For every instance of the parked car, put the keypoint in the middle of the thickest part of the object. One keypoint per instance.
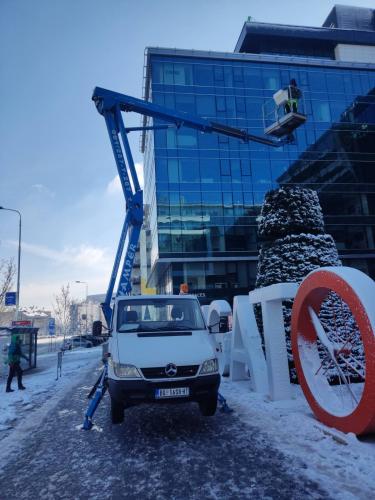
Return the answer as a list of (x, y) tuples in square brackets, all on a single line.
[(81, 341), (66, 345), (95, 340)]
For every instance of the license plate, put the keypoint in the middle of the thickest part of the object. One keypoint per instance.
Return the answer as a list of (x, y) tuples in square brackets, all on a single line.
[(172, 392)]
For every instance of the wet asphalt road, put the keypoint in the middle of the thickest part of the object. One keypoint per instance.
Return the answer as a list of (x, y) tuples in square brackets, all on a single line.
[(159, 452)]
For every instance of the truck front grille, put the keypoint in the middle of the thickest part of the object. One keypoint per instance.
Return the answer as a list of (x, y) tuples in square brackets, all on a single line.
[(159, 372)]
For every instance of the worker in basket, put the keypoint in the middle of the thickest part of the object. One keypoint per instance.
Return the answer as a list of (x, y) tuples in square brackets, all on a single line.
[(294, 94)]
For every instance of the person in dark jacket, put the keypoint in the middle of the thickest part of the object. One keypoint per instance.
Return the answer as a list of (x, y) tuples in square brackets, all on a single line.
[(294, 94), (14, 357)]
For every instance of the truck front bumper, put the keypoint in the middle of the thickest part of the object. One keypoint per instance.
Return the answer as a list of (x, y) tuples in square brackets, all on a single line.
[(133, 392)]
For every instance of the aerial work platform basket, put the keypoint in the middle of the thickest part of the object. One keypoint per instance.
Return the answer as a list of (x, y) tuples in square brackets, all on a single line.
[(280, 116), (285, 125)]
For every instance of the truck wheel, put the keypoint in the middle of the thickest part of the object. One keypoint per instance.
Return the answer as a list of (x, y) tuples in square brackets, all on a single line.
[(117, 412), (209, 405)]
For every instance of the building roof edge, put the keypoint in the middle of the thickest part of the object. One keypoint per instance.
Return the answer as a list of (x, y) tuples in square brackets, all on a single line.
[(242, 56)]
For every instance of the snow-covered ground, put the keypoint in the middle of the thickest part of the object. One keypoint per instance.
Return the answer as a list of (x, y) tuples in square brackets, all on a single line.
[(340, 463), (42, 388)]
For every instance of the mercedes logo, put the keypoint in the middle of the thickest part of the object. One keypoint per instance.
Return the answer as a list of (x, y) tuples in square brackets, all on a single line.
[(171, 370)]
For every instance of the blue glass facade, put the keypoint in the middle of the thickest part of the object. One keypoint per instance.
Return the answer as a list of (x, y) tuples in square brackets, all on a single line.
[(205, 190)]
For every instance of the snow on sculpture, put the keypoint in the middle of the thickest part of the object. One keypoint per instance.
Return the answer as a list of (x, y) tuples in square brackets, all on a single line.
[(247, 357), (347, 407), (205, 309), (217, 310)]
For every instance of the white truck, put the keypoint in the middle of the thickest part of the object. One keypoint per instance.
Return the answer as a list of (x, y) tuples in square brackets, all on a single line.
[(160, 350)]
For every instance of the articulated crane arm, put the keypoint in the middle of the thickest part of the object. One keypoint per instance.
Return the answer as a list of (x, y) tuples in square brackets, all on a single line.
[(110, 105)]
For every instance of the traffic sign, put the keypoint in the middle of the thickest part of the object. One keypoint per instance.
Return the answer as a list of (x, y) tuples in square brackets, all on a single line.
[(10, 298), (51, 326)]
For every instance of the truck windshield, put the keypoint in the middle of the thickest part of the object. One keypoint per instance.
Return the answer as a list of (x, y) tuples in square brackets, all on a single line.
[(153, 314)]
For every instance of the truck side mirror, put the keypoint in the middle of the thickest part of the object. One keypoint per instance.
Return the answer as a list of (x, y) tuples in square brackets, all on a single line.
[(97, 328)]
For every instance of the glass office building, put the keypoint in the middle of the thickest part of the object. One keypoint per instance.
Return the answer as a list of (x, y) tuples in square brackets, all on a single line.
[(206, 190)]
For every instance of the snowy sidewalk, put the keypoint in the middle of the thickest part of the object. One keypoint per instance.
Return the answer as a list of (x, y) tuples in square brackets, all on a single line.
[(340, 463), (42, 386), (259, 430)]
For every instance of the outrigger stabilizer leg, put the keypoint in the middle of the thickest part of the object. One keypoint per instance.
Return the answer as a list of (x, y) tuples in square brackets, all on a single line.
[(96, 395), (223, 402)]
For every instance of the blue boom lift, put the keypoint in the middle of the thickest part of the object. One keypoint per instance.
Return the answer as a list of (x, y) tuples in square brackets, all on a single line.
[(111, 105)]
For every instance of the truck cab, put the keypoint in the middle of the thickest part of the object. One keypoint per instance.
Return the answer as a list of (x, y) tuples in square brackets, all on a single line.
[(161, 351)]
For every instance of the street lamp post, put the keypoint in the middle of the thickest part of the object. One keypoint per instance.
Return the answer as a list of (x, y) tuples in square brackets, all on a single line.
[(19, 257), (87, 292)]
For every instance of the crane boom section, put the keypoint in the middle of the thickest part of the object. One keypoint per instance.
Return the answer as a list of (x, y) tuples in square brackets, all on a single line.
[(111, 105), (106, 100)]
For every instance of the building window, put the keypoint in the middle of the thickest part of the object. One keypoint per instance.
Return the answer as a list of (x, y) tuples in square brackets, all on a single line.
[(237, 74), (253, 77), (173, 171), (245, 167), (172, 74), (168, 74), (161, 171), (321, 112), (224, 167), (189, 170), (240, 105), (271, 79), (210, 171), (248, 199), (186, 138), (203, 75), (206, 105), (157, 72), (227, 199), (220, 103), (235, 171), (185, 102), (219, 73), (171, 138), (183, 74)]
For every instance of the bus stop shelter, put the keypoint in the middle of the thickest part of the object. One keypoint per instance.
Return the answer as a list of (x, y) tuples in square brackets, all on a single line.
[(28, 336)]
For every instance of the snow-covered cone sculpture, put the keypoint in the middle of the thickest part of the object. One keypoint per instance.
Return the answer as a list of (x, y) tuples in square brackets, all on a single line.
[(294, 243)]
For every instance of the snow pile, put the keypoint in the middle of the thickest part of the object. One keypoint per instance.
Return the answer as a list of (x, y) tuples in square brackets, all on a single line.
[(42, 386), (35, 312), (338, 462)]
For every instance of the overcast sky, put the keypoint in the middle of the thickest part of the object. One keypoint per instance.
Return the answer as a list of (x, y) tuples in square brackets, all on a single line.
[(56, 164)]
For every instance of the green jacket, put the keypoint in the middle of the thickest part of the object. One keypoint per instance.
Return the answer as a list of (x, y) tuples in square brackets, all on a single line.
[(15, 351)]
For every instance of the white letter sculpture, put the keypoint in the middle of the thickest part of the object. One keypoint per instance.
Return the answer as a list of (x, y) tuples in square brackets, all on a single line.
[(268, 374), (247, 356)]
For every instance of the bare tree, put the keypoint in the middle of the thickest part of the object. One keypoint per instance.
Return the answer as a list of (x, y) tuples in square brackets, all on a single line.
[(7, 273), (62, 309)]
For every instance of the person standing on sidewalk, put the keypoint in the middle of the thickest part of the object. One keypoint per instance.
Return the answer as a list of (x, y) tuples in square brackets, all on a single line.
[(14, 357)]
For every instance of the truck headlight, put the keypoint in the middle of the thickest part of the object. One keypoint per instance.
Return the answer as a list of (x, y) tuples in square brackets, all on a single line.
[(209, 366), (125, 371)]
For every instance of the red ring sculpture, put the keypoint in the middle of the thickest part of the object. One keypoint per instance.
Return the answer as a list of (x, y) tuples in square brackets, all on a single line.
[(357, 290)]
